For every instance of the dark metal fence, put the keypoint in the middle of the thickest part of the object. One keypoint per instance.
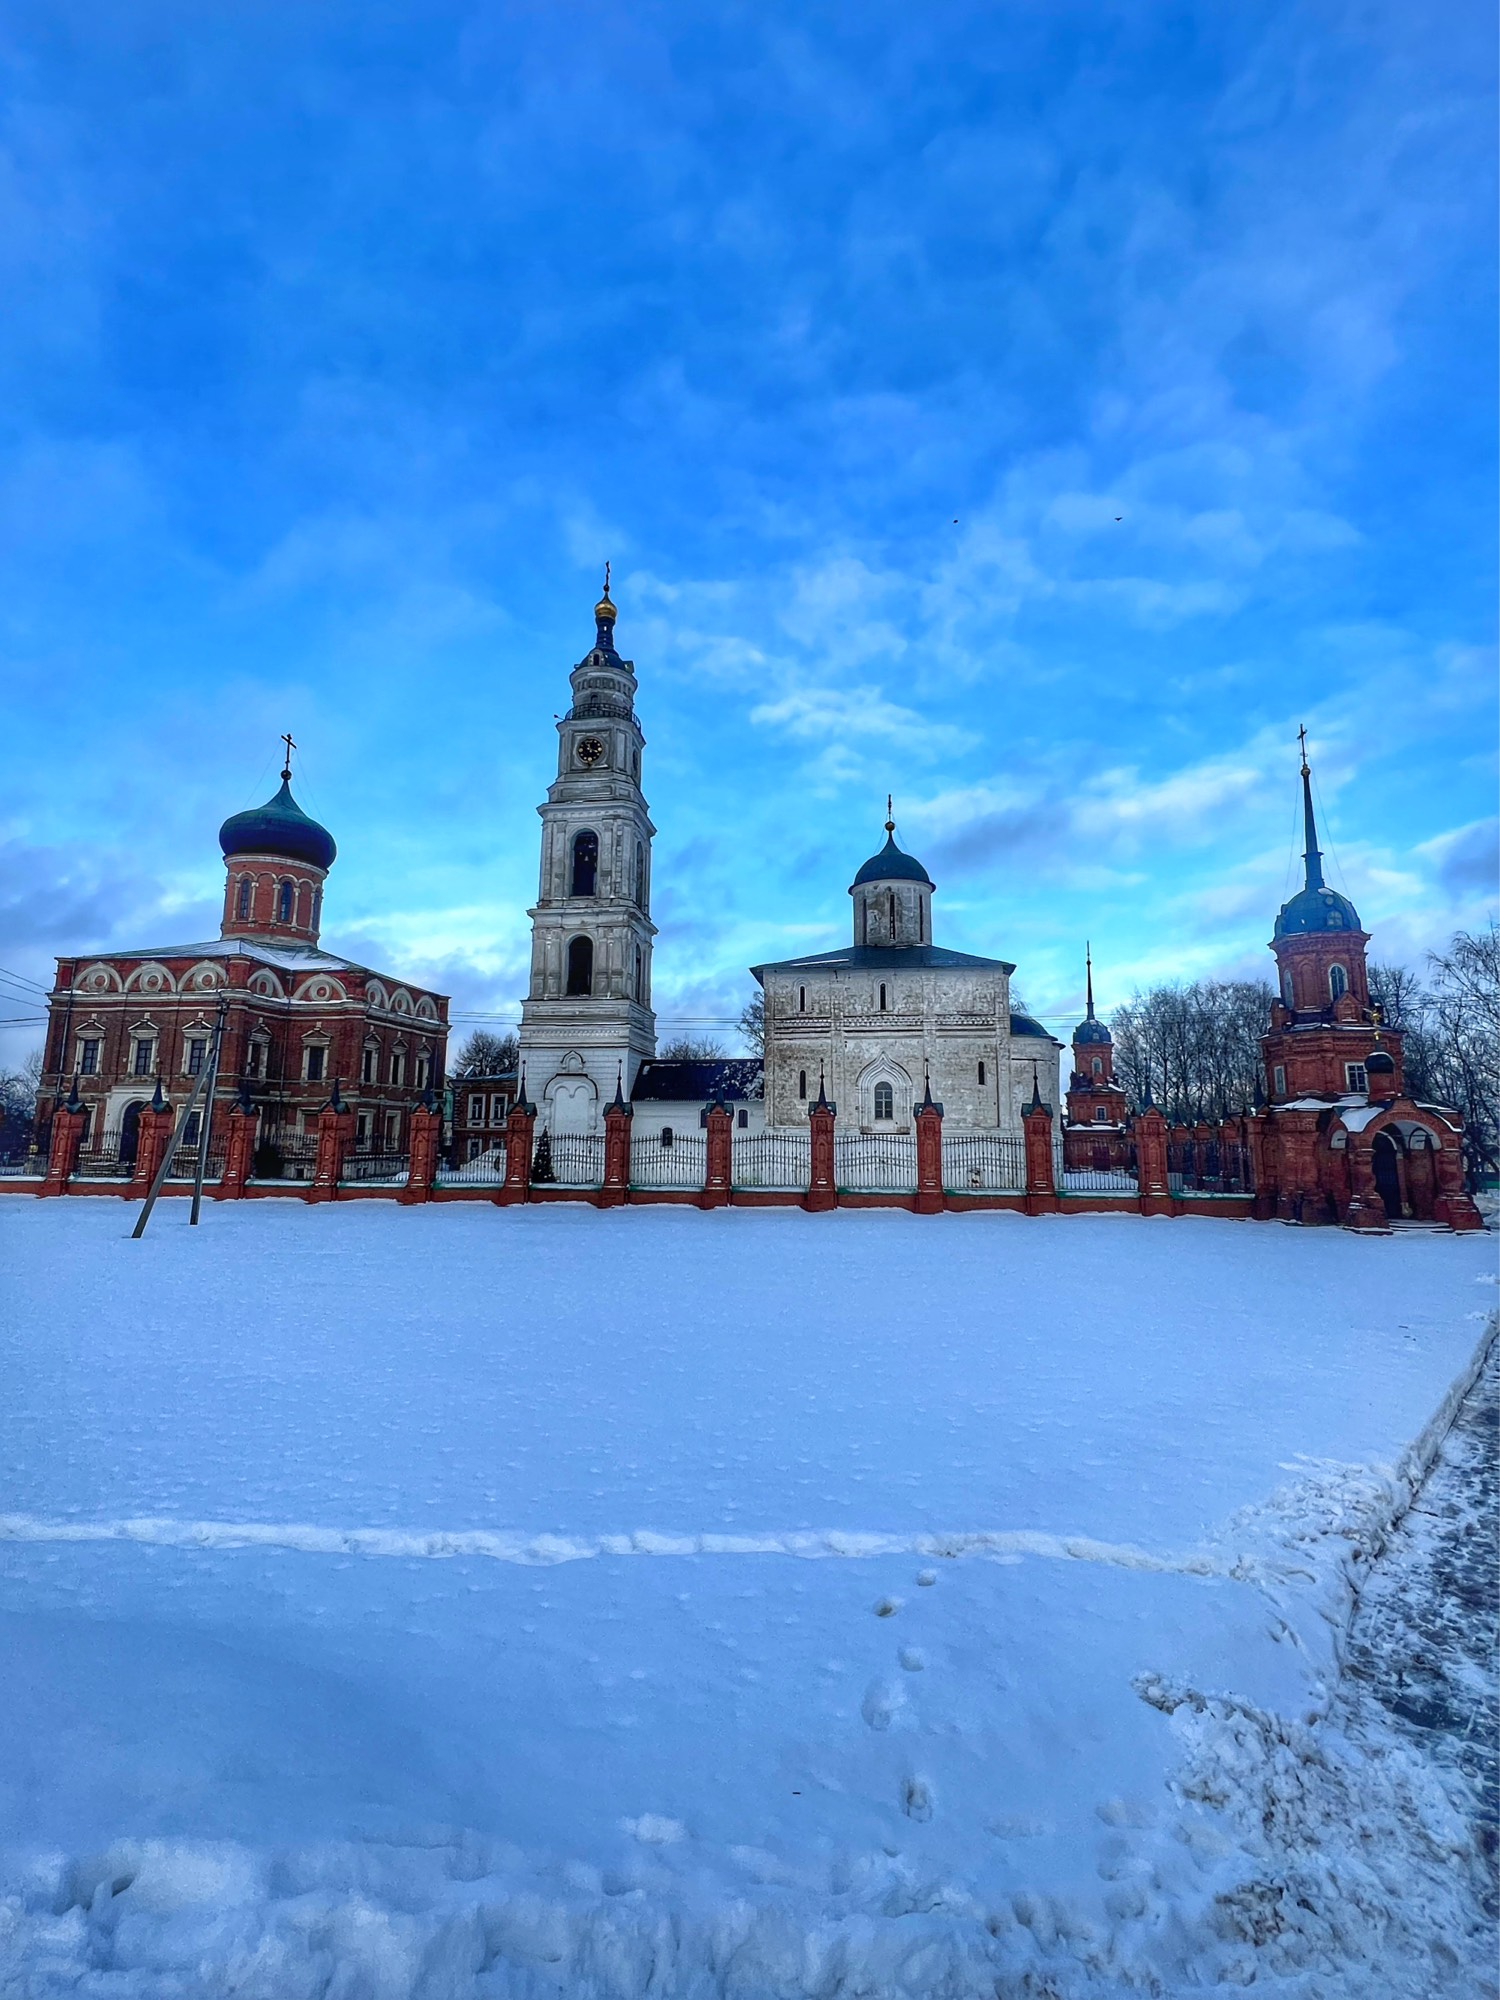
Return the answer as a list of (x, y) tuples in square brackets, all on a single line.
[(1208, 1166), (21, 1163), (772, 1160), (384, 1168), (102, 1162), (184, 1165), (680, 1163), (577, 1158), (1099, 1180), (285, 1156), (984, 1163), (486, 1169), (875, 1162)]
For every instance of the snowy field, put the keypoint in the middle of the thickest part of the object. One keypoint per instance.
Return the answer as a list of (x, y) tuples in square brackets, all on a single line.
[(453, 1601)]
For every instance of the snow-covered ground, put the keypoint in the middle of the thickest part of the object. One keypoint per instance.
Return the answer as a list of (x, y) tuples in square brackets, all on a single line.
[(458, 1601)]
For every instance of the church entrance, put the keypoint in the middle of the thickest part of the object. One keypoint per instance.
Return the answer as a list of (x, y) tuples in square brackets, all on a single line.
[(1387, 1163), (130, 1133)]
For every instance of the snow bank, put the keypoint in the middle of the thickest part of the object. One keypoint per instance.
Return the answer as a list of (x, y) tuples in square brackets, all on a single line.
[(1000, 1572)]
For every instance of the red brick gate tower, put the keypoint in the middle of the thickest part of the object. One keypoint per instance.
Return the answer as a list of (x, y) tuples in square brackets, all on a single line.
[(1094, 1132), (1339, 1139)]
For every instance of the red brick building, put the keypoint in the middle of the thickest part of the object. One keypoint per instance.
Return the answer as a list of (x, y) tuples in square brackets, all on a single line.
[(1339, 1138), (294, 1018), (481, 1105), (1097, 1113)]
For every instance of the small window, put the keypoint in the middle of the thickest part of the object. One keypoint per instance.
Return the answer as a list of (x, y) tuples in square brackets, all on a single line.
[(145, 1052), (392, 1130), (802, 1083), (499, 1106), (802, 1007), (981, 1072), (1287, 990), (255, 1059), (640, 874), (362, 1129), (1338, 982), (885, 1101), (742, 1118), (640, 975), (585, 863), (242, 899), (1335, 921), (883, 1008), (1101, 1115), (398, 1067), (1355, 1077), (317, 908), (197, 1055), (88, 1056), (191, 1130), (1278, 1079), (369, 1058), (285, 898), (891, 906), (476, 1147), (316, 1058), (476, 1110), (580, 967), (1098, 1066), (666, 1138)]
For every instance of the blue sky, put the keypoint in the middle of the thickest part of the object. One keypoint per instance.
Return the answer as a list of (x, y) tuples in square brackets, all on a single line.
[(1037, 412)]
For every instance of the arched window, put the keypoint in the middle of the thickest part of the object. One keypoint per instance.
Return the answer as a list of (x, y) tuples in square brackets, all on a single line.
[(1286, 986), (285, 897), (317, 909), (883, 1008), (802, 1004), (666, 1138), (640, 974), (885, 1101), (1338, 981), (891, 901), (802, 1083), (1098, 1065), (640, 874), (580, 967), (585, 867), (242, 899), (981, 1072)]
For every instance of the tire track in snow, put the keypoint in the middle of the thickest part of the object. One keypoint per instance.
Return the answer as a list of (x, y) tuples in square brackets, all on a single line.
[(499, 1545)]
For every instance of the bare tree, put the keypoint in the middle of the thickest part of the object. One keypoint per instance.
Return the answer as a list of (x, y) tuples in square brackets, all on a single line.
[(1464, 1025), (1194, 1050), (486, 1054), (752, 1023), (691, 1048)]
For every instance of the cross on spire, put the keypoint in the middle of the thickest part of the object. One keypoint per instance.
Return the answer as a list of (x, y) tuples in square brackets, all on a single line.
[(1302, 740), (890, 817), (286, 769), (1311, 855), (606, 579), (1088, 959)]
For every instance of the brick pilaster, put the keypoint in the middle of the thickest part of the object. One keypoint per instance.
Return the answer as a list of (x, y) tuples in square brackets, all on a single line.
[(929, 1154), (67, 1138), (1153, 1188), (719, 1157), (822, 1190), (425, 1137)]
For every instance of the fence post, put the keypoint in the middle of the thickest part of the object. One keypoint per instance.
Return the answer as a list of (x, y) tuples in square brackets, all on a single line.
[(518, 1130), (618, 1115), (1041, 1168), (422, 1162), (335, 1132), (822, 1190), (1153, 1191), (67, 1138), (929, 1153), (153, 1136), (239, 1149), (718, 1156)]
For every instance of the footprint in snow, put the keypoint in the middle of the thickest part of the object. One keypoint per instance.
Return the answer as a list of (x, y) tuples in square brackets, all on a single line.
[(912, 1658), (880, 1704), (927, 1577), (887, 1607), (916, 1798)]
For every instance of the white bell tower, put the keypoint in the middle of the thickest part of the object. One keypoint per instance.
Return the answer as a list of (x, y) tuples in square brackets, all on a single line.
[(587, 1020)]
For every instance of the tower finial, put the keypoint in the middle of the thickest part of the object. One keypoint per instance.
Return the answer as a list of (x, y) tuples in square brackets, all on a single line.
[(604, 617), (890, 817), (1311, 855), (1088, 959), (286, 769), (606, 579)]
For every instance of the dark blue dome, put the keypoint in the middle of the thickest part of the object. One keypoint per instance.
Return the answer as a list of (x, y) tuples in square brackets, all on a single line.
[(891, 865), (279, 827), (1316, 909), (1027, 1024), (1092, 1031)]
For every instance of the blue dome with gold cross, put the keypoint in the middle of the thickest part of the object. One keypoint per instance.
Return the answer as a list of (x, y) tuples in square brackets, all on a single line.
[(280, 827)]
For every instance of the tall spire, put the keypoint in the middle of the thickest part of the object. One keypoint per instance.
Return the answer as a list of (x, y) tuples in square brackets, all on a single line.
[(604, 618), (1088, 959), (1312, 854)]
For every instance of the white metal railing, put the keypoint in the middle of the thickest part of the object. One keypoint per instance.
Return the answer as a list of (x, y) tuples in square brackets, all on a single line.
[(984, 1163), (681, 1163), (772, 1160), (875, 1163)]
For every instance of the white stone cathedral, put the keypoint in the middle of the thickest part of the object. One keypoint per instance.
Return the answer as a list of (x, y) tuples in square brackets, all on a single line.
[(587, 1023)]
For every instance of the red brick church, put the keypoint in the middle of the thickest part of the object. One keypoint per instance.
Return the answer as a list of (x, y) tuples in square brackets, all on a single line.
[(1335, 1136), (127, 1030)]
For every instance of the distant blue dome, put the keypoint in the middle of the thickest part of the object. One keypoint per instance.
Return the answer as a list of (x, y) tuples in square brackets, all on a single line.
[(1316, 909), (1092, 1031), (891, 865), (279, 827)]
